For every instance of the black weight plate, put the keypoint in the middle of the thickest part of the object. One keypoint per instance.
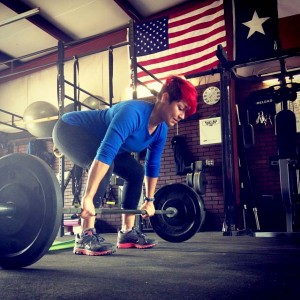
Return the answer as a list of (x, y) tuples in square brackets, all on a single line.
[(29, 183), (190, 213)]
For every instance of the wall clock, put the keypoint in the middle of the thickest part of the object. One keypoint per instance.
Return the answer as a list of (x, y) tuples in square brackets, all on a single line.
[(211, 95)]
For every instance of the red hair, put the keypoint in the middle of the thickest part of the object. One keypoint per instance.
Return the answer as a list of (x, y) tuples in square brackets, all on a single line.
[(180, 89)]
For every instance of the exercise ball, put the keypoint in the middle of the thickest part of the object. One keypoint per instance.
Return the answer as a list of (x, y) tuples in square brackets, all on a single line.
[(69, 108), (93, 103), (40, 118)]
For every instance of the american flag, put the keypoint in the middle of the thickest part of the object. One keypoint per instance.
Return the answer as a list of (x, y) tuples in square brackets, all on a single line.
[(182, 43)]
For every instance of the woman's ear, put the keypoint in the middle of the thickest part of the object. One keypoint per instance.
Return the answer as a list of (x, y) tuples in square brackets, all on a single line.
[(165, 97)]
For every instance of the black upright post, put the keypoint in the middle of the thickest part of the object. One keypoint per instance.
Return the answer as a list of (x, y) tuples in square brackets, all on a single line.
[(75, 84), (134, 81), (133, 61), (60, 99), (228, 169), (227, 155), (111, 75)]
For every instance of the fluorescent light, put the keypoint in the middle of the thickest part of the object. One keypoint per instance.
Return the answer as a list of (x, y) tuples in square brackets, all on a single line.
[(276, 81), (21, 16)]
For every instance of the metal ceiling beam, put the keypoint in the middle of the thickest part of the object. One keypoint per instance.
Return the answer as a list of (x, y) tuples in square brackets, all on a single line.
[(7, 58), (175, 8), (134, 14), (20, 7), (130, 10), (19, 17)]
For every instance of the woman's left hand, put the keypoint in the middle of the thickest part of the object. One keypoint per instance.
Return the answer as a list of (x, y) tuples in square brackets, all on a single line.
[(149, 207)]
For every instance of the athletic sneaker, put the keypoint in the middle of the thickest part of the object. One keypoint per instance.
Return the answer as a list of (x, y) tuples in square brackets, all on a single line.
[(91, 243), (134, 239)]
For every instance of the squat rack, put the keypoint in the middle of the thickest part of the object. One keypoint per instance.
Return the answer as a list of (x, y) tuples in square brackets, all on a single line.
[(227, 72)]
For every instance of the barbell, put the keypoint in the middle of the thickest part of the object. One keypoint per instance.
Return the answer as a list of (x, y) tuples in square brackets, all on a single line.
[(31, 210)]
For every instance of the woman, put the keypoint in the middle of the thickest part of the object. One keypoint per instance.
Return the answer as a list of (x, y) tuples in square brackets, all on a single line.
[(102, 142)]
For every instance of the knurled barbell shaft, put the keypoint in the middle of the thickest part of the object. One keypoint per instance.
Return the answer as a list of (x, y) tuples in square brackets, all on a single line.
[(8, 209), (113, 211)]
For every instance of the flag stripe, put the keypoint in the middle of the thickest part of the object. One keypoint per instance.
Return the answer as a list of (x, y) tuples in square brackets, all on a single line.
[(201, 66), (289, 23), (186, 24), (199, 30), (187, 64), (289, 32), (288, 8), (201, 8), (201, 38), (193, 36)]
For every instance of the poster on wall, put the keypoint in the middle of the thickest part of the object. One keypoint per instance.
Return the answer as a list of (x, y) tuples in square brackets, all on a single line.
[(210, 131), (262, 113)]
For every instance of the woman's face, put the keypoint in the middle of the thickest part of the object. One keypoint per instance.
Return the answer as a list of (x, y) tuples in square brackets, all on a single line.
[(174, 112)]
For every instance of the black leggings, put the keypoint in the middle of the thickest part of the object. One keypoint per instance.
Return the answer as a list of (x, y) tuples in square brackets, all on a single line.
[(80, 147)]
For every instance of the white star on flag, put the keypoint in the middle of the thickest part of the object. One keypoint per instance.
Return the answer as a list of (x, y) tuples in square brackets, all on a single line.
[(255, 24)]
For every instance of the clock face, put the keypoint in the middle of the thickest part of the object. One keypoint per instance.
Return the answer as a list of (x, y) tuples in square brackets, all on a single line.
[(211, 95)]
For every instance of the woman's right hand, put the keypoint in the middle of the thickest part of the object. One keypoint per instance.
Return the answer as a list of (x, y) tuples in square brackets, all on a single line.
[(88, 208)]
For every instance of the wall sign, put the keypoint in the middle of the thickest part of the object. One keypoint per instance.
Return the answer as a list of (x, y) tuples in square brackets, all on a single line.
[(210, 131)]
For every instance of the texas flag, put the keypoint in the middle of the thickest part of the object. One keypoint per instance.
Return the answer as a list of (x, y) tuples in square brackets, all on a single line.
[(265, 28)]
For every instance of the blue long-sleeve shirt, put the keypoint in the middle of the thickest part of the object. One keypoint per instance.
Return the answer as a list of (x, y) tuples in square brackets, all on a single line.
[(123, 128)]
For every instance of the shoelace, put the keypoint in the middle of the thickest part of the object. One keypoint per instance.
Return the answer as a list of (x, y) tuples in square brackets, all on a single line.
[(139, 233), (98, 237)]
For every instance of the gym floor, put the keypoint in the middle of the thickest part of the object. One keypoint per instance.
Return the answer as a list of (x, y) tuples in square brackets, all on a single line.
[(208, 266)]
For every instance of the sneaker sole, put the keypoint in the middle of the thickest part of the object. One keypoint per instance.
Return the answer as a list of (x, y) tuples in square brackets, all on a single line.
[(93, 253), (132, 245)]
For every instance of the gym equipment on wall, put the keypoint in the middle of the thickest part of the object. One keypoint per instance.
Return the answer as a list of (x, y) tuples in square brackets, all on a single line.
[(31, 210), (247, 194), (197, 179), (180, 154)]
